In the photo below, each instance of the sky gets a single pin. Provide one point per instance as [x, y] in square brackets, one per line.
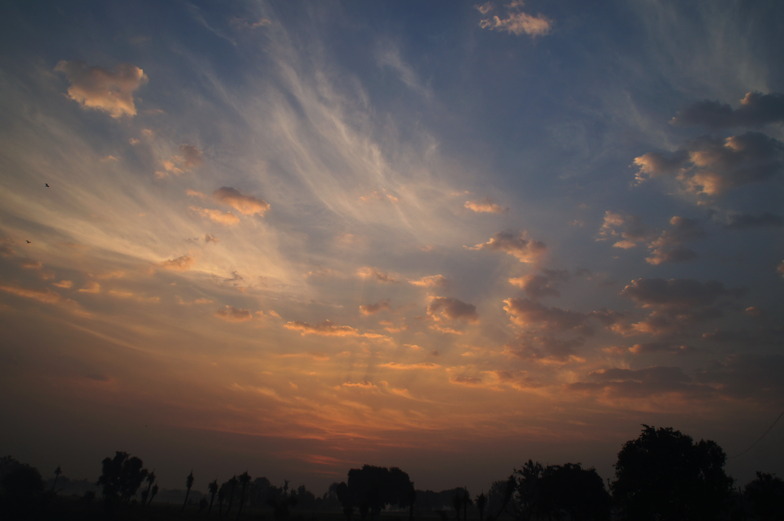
[292, 238]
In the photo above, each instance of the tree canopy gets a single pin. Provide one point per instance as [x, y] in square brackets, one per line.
[664, 475]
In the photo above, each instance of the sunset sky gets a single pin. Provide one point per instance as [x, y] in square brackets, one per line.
[295, 237]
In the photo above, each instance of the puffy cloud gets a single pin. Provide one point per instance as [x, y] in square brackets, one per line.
[514, 21]
[756, 109]
[485, 205]
[108, 90]
[626, 229]
[225, 218]
[430, 281]
[541, 285]
[245, 204]
[527, 314]
[711, 166]
[447, 308]
[669, 246]
[519, 245]
[181, 263]
[676, 294]
[232, 314]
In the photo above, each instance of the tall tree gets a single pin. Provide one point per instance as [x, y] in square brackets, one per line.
[664, 475]
[188, 485]
[481, 503]
[244, 480]
[213, 489]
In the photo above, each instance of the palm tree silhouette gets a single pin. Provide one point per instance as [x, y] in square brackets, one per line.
[57, 473]
[213, 488]
[188, 484]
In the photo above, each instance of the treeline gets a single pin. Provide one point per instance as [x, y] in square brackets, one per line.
[663, 475]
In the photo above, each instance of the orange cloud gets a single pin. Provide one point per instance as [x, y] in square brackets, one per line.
[225, 218]
[517, 245]
[429, 281]
[485, 205]
[245, 204]
[181, 263]
[102, 89]
[232, 314]
[328, 328]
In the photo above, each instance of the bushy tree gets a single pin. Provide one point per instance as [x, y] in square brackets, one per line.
[373, 488]
[21, 489]
[765, 497]
[559, 491]
[664, 475]
[121, 477]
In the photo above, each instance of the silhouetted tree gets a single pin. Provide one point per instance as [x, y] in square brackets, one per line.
[460, 502]
[244, 480]
[527, 484]
[57, 473]
[281, 501]
[765, 497]
[213, 489]
[499, 497]
[146, 493]
[481, 503]
[372, 488]
[121, 477]
[664, 475]
[21, 489]
[188, 485]
[569, 489]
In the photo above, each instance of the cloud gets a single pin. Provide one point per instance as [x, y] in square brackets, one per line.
[517, 245]
[485, 205]
[372, 309]
[528, 314]
[642, 383]
[232, 314]
[756, 109]
[711, 166]
[669, 246]
[181, 263]
[245, 204]
[514, 21]
[430, 281]
[225, 218]
[748, 376]
[366, 272]
[327, 328]
[541, 285]
[103, 89]
[545, 348]
[188, 158]
[449, 309]
[741, 221]
[676, 294]
[428, 366]
[626, 229]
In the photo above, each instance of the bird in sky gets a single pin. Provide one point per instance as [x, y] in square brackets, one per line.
[47, 185]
